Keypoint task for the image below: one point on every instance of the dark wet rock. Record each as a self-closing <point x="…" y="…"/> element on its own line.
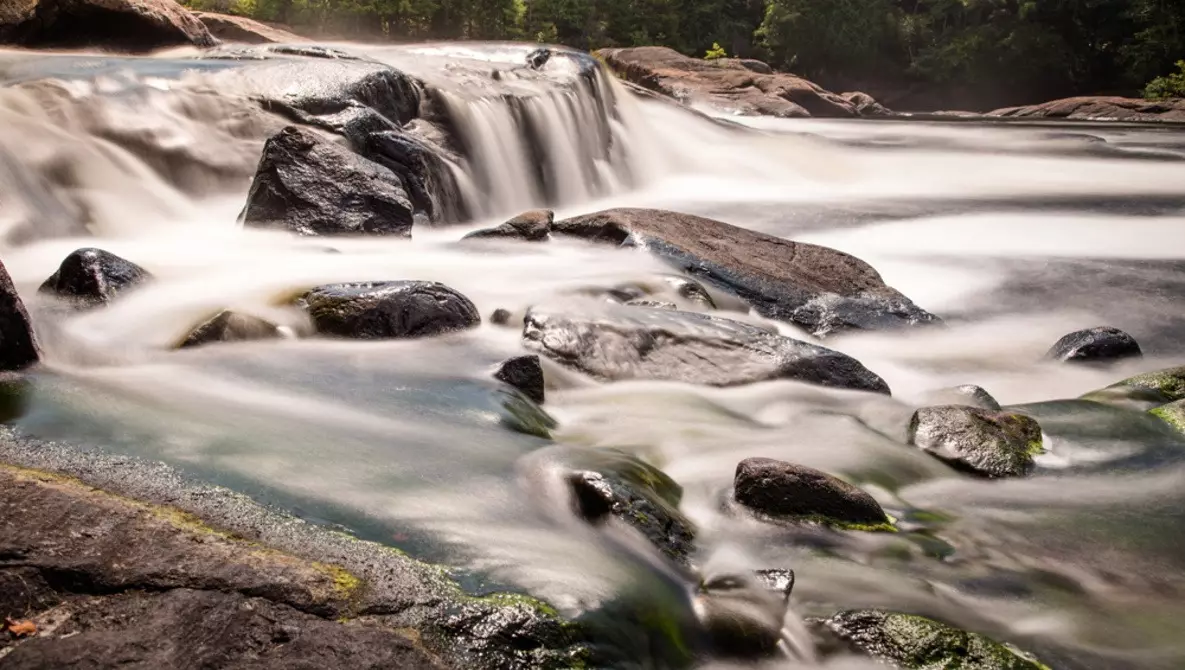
<point x="914" y="642"/>
<point x="522" y="414"/>
<point x="18" y="345"/>
<point x="538" y="58"/>
<point x="1173" y="414"/>
<point x="228" y="326"/>
<point x="866" y="105"/>
<point x="820" y="289"/>
<point x="93" y="277"/>
<point x="965" y="394"/>
<point x="524" y="373"/>
<point x="110" y="25"/>
<point x="1144" y="391"/>
<point x="983" y="442"/>
<point x="532" y="226"/>
<point x="778" y="580"/>
<point x="653" y="304"/>
<point x="616" y="342"/>
<point x="500" y="317"/>
<point x="1093" y="345"/>
<point x="788" y="492"/>
<point x="311" y="186"/>
<point x="429" y="181"/>
<point x="242" y="29"/>
<point x="742" y="617"/>
<point x="389" y="310"/>
<point x="1108" y="108"/>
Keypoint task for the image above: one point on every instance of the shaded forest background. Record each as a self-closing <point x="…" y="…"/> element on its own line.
<point x="913" y="54"/>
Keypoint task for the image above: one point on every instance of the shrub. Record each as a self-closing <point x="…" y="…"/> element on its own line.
<point x="1169" y="86"/>
<point x="715" y="52"/>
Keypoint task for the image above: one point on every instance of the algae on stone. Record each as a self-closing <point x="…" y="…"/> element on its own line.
<point x="1144" y="391"/>
<point x="1173" y="414"/>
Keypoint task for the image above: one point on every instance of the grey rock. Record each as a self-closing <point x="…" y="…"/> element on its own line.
<point x="500" y="317"/>
<point x="1094" y="345"/>
<point x="785" y="491"/>
<point x="966" y="394"/>
<point x="18" y="345"/>
<point x="524" y="373"/>
<point x="389" y="310"/>
<point x="983" y="442"/>
<point x="228" y="326"/>
<point x="532" y="226"/>
<point x="91" y="277"/>
<point x="778" y="580"/>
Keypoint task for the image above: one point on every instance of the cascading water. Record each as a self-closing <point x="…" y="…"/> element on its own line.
<point x="1014" y="234"/>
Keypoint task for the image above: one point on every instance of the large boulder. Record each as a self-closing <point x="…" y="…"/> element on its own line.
<point x="1107" y="108"/>
<point x="729" y="84"/>
<point x="113" y="25"/>
<point x="1172" y="414"/>
<point x="1095" y="345"/>
<point x="980" y="441"/>
<point x="788" y="492"/>
<point x="389" y="310"/>
<point x="819" y="289"/>
<point x="93" y="277"/>
<point x="18" y="346"/>
<point x="242" y="29"/>
<point x="617" y="342"/>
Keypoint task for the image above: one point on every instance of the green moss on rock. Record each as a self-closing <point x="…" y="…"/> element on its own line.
<point x="1173" y="414"/>
<point x="1144" y="391"/>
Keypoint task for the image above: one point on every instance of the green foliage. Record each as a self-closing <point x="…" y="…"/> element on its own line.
<point x="1169" y="86"/>
<point x="715" y="52"/>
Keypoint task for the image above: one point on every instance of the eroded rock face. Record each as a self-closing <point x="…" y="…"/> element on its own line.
<point x="112" y="25"/>
<point x="311" y="186"/>
<point x="18" y="346"/>
<point x="389" y="310"/>
<point x="789" y="492"/>
<point x="616" y="342"/>
<point x="228" y="326"/>
<point x="91" y="277"/>
<point x="983" y="442"/>
<point x="242" y="29"/>
<point x="1095" y="345"/>
<point x="820" y="289"/>
<point x="532" y="226"/>
<point x="523" y="373"/>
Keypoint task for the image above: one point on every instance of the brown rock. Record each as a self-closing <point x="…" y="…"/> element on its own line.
<point x="241" y="29"/>
<point x="1101" y="108"/>
<point x="115" y="25"/>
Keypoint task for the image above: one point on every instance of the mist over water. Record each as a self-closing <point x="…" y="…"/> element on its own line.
<point x="1015" y="234"/>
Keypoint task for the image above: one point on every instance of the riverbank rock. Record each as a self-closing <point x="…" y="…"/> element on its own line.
<point x="228" y="326"/>
<point x="822" y="290"/>
<point x="112" y="25"/>
<point x="965" y="394"/>
<point x="389" y="310"/>
<point x="914" y="642"/>
<point x="727" y="84"/>
<point x="788" y="492"/>
<point x="242" y="29"/>
<point x="1095" y="345"/>
<point x="617" y="342"/>
<point x="983" y="442"/>
<point x="1100" y="108"/>
<point x="1143" y="391"/>
<point x="311" y="186"/>
<point x="532" y="226"/>
<point x="866" y="105"/>
<point x="524" y="373"/>
<point x="91" y="277"/>
<point x="18" y="345"/>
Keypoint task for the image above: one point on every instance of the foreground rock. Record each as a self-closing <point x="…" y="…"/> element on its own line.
<point x="91" y="277"/>
<point x="787" y="492"/>
<point x="242" y="29"/>
<point x="1144" y="391"/>
<point x="966" y="394"/>
<point x="1094" y="345"/>
<point x="311" y="186"/>
<point x="389" y="310"/>
<point x="728" y="84"/>
<point x="532" y="226"/>
<point x="18" y="345"/>
<point x="820" y="289"/>
<point x="1100" y="108"/>
<point x="916" y="643"/>
<point x="616" y="342"/>
<point x="1173" y="414"/>
<point x="523" y="373"/>
<point x="111" y="25"/>
<point x="742" y="615"/>
<point x="983" y="442"/>
<point x="228" y="326"/>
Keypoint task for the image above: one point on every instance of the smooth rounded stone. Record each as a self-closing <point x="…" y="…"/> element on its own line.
<point x="819" y="289"/>
<point x="532" y="226"/>
<point x="742" y="617"/>
<point x="311" y="186"/>
<point x="615" y="342"/>
<point x="1173" y="414"/>
<point x="242" y="29"/>
<point x="93" y="277"/>
<point x="524" y="373"/>
<point x="111" y="25"/>
<point x="228" y="326"/>
<point x="788" y="492"/>
<point x="914" y="642"/>
<point x="389" y="310"/>
<point x="18" y="345"/>
<point x="501" y="317"/>
<point x="1101" y="344"/>
<point x="965" y="394"/>
<point x="1144" y="391"/>
<point x="983" y="442"/>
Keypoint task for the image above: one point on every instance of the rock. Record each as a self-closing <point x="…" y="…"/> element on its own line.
<point x="1093" y="345"/>
<point x="311" y="186"/>
<point x="389" y="310"/>
<point x="1173" y="414"/>
<point x="916" y="643"/>
<point x="93" y="277"/>
<point x="751" y="64"/>
<point x="1110" y="108"/>
<point x="538" y="58"/>
<point x="228" y="326"/>
<point x="616" y="342"/>
<point x="743" y="618"/>
<point x="532" y="226"/>
<point x="653" y="304"/>
<point x="111" y="25"/>
<point x="1144" y="391"/>
<point x="501" y="317"/>
<point x="983" y="442"/>
<point x="429" y="180"/>
<point x="966" y="394"/>
<point x="784" y="491"/>
<point x="18" y="345"/>
<point x="820" y="289"/>
<point x="524" y="373"/>
<point x="866" y="105"/>
<point x="778" y="580"/>
<point x="728" y="84"/>
<point x="242" y="29"/>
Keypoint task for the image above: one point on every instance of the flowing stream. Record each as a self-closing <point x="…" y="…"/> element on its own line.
<point x="1014" y="233"/>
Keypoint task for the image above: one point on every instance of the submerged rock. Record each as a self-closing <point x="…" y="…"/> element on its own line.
<point x="18" y="346"/>
<point x="653" y="304"/>
<point x="822" y="290"/>
<point x="742" y="617"/>
<point x="532" y="226"/>
<point x="524" y="373"/>
<point x="992" y="444"/>
<point x="1173" y="414"/>
<point x="389" y="310"/>
<point x="917" y="643"/>
<point x="1144" y="391"/>
<point x="311" y="186"/>
<point x="93" y="277"/>
<point x="1092" y="345"/>
<point x="228" y="326"/>
<point x="616" y="342"/>
<point x="787" y="492"/>
<point x="110" y="25"/>
<point x="966" y="394"/>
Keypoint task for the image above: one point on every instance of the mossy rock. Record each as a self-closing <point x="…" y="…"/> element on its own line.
<point x="1173" y="414"/>
<point x="1144" y="391"/>
<point x="979" y="441"/>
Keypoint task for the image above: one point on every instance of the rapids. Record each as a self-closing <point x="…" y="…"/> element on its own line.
<point x="1014" y="233"/>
